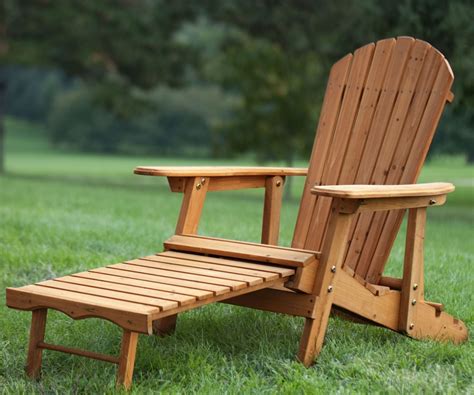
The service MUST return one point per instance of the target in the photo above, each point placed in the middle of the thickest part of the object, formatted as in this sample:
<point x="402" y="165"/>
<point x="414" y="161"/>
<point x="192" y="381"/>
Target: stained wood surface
<point x="271" y="209"/>
<point x="242" y="250"/>
<point x="35" y="352"/>
<point x="79" y="352"/>
<point x="381" y="108"/>
<point x="412" y="292"/>
<point x="221" y="171"/>
<point x="326" y="284"/>
<point x="383" y="191"/>
<point x="195" y="190"/>
<point x="126" y="363"/>
<point x="277" y="301"/>
<point x="134" y="293"/>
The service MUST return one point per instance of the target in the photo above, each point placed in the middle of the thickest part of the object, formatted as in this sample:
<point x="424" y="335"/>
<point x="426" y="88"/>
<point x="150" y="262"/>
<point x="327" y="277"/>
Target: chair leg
<point x="332" y="256"/>
<point x="313" y="335"/>
<point x="165" y="326"/>
<point x="35" y="354"/>
<point x="127" y="359"/>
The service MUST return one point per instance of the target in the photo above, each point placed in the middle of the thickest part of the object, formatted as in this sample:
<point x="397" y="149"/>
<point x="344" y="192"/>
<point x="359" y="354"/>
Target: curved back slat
<point x="379" y="114"/>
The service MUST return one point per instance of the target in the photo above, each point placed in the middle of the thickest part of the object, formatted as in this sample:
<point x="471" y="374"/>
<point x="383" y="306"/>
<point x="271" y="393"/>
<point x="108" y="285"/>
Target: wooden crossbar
<point x="81" y="353"/>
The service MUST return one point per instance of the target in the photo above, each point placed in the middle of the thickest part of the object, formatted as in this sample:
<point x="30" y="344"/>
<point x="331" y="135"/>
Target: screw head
<point x="278" y="183"/>
<point x="330" y="289"/>
<point x="413" y="302"/>
<point x="415" y="287"/>
<point x="333" y="269"/>
<point x="203" y="181"/>
<point x="198" y="186"/>
<point x="412" y="325"/>
<point x="432" y="201"/>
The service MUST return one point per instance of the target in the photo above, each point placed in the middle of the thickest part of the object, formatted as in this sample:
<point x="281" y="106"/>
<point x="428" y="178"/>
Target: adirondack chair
<point x="380" y="111"/>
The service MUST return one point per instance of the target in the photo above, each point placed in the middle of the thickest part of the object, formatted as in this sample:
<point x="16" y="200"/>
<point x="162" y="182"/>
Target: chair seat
<point x="134" y="293"/>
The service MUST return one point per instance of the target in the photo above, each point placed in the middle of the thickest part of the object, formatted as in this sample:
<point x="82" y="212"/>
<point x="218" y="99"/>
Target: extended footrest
<point x="134" y="293"/>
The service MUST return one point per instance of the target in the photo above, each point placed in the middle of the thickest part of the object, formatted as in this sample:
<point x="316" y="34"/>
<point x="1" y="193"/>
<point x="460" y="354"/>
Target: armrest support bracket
<point x="195" y="190"/>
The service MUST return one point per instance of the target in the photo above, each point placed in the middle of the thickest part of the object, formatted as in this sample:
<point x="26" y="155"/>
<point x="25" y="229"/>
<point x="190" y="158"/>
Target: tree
<point x="2" y="130"/>
<point x="117" y="47"/>
<point x="272" y="55"/>
<point x="312" y="32"/>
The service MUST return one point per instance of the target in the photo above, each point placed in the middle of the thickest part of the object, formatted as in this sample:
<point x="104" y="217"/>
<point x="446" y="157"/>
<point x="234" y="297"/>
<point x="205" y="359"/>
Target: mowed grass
<point x="61" y="213"/>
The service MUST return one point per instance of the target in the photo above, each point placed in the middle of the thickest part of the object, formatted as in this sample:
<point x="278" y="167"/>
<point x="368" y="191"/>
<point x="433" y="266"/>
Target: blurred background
<point x="220" y="79"/>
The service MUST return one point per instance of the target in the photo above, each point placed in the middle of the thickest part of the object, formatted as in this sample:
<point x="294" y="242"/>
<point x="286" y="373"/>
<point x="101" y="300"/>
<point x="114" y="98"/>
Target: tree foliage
<point x="270" y="59"/>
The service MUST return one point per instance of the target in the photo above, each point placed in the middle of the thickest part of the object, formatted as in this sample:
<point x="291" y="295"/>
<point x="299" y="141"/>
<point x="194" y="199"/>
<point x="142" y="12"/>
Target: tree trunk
<point x="2" y="128"/>
<point x="470" y="155"/>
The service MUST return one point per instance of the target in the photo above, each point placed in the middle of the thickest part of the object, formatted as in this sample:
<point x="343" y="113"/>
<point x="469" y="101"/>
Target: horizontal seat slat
<point x="129" y="265"/>
<point x="282" y="271"/>
<point x="94" y="300"/>
<point x="246" y="251"/>
<point x="133" y="290"/>
<point x="213" y="266"/>
<point x="157" y="262"/>
<point x="133" y="272"/>
<point x="145" y="285"/>
<point x="122" y="296"/>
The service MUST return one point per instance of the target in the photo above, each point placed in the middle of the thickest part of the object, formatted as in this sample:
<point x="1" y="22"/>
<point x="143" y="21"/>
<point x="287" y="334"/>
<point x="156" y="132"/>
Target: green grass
<point x="62" y="212"/>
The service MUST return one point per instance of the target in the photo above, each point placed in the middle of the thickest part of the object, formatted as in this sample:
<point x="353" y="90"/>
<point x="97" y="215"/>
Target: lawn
<point x="62" y="212"/>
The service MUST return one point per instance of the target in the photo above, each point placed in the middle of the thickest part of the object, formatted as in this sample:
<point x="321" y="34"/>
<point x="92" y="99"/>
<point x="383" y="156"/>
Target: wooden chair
<point x="380" y="111"/>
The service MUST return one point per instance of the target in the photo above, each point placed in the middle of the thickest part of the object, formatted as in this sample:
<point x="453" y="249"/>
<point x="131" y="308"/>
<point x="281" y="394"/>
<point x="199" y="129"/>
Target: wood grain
<point x="220" y="171"/>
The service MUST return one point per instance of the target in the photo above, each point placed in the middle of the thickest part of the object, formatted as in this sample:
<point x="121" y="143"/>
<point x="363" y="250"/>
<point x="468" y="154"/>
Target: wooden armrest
<point x="218" y="171"/>
<point x="383" y="191"/>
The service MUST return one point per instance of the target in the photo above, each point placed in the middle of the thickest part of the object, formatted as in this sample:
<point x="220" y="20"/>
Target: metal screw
<point x="330" y="289"/>
<point x="333" y="269"/>
<point x="198" y="186"/>
<point x="278" y="183"/>
<point x="412" y="325"/>
<point x="203" y="181"/>
<point x="415" y="287"/>
<point x="432" y="201"/>
<point x="413" y="302"/>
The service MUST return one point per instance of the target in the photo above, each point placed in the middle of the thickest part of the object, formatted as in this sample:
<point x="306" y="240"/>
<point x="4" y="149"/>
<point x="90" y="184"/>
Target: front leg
<point x="332" y="256"/>
<point x="195" y="190"/>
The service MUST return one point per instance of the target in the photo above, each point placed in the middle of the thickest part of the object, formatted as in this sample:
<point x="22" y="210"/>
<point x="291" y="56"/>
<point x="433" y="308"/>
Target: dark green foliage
<point x="178" y="121"/>
<point x="270" y="56"/>
<point x="31" y="91"/>
<point x="76" y="122"/>
<point x="311" y="35"/>
<point x="131" y="40"/>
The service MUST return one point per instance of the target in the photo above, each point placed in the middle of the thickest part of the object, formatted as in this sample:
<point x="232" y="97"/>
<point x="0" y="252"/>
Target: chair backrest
<point x="380" y="111"/>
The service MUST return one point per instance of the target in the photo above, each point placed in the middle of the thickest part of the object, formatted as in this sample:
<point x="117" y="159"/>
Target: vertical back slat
<point x="412" y="168"/>
<point x="376" y="133"/>
<point x="377" y="121"/>
<point x="324" y="135"/>
<point x="332" y="166"/>
<point x="369" y="225"/>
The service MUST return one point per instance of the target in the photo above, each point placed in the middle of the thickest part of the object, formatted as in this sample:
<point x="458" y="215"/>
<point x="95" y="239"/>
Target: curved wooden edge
<point x="432" y="323"/>
<point x="383" y="191"/>
<point x="136" y="322"/>
<point x="220" y="171"/>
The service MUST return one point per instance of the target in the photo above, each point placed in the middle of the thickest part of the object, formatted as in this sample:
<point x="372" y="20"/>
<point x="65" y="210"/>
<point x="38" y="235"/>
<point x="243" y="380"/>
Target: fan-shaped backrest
<point x="379" y="114"/>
